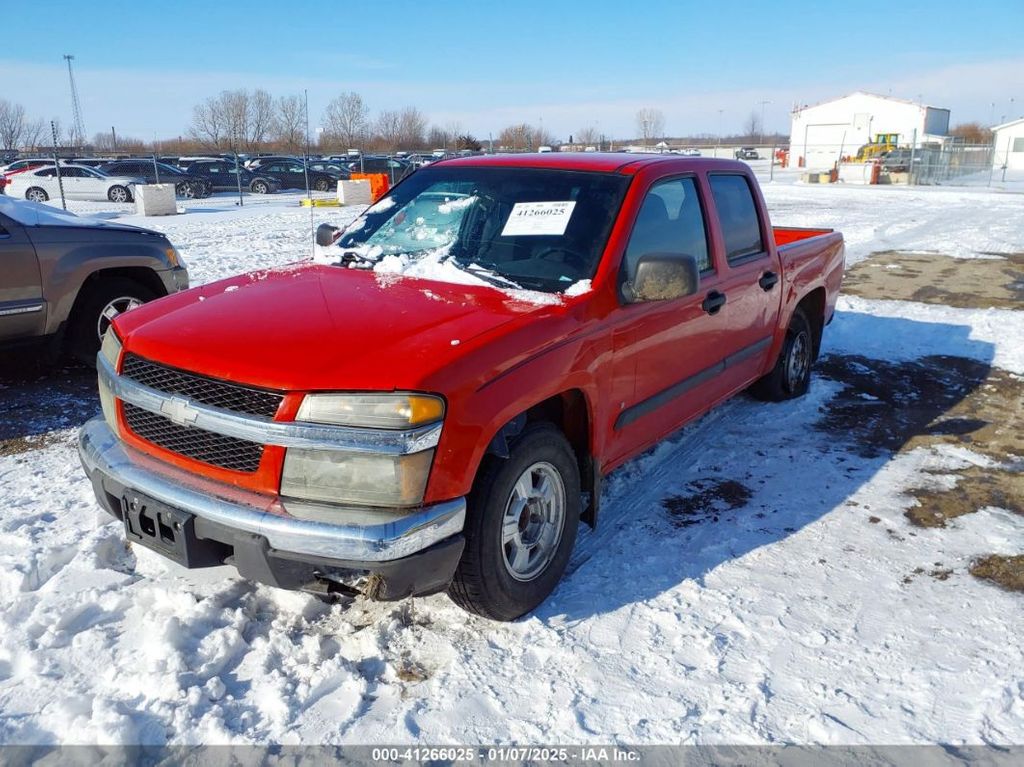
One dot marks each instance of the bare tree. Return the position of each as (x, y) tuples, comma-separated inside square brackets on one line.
[(346, 119), (387, 130), (35, 132), (13, 125), (237, 119), (289, 128), (588, 136), (209, 124), (752, 127), (259, 117), (412, 124), (650, 123), (524, 136)]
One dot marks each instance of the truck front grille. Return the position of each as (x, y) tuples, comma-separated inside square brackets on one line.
[(197, 444), (209, 391)]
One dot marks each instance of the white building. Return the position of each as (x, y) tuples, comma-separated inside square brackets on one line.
[(823, 133), (1008, 141)]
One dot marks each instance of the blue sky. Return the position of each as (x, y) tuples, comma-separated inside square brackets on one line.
[(141, 66)]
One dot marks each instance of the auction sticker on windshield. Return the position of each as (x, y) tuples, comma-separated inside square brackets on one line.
[(538, 218)]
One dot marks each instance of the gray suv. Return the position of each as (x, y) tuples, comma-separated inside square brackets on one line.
[(64, 278)]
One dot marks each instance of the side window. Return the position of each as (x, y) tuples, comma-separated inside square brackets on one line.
[(670, 221), (46, 172), (737, 214)]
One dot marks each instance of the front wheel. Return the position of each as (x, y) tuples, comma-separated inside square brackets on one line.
[(35, 194), (97, 307), (186, 191), (260, 187), (521, 524), (322, 185), (791, 376)]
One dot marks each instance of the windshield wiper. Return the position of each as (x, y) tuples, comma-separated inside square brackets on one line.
[(488, 276)]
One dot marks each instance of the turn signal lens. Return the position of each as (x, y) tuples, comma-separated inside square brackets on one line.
[(375, 411)]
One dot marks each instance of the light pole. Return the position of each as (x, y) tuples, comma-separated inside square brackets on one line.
[(763, 103)]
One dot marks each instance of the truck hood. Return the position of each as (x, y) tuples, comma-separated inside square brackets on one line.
[(316, 327)]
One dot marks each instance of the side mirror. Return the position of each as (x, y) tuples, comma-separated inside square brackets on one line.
[(663, 276), (327, 235)]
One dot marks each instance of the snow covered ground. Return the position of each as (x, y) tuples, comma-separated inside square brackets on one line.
[(753, 580)]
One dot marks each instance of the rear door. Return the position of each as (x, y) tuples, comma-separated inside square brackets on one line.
[(751, 278), (22, 309)]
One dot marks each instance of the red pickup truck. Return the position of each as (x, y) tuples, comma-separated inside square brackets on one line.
[(436, 409)]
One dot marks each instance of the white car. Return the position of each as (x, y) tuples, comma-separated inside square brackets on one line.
[(690, 152), (80, 183)]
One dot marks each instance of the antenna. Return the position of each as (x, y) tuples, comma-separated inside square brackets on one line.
[(78, 126)]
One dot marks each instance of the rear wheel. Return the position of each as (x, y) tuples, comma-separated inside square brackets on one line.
[(521, 526), (186, 190), (102, 302), (260, 187), (791, 375), (322, 185), (35, 194), (119, 194)]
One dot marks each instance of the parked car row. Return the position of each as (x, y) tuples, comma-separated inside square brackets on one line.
[(196, 176)]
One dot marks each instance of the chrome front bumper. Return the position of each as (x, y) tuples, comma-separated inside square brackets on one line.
[(359, 535)]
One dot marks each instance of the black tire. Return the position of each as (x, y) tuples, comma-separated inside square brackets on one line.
[(483, 583), (186, 190), (85, 323), (260, 187), (791, 376), (322, 185), (118, 191), (36, 194)]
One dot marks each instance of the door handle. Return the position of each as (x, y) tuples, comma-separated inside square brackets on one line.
[(768, 280), (713, 302)]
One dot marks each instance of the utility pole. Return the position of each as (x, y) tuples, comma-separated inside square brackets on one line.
[(76, 108)]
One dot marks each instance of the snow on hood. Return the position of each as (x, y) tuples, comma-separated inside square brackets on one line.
[(29, 213)]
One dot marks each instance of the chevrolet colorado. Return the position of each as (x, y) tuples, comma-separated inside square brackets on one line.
[(436, 409)]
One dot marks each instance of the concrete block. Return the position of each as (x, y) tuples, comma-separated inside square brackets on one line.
[(155, 200), (354, 192)]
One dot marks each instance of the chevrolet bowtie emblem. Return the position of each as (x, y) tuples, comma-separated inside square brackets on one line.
[(179, 411)]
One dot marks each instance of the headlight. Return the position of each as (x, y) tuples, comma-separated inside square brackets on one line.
[(111, 352), (111, 348), (369, 479), (378, 411)]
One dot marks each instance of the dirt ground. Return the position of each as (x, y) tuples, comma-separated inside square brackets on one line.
[(941, 399), (996, 281)]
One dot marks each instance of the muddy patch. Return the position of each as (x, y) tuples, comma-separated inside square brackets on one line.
[(40, 398), (996, 281), (888, 407), (884, 405), (705, 500), (1007, 572)]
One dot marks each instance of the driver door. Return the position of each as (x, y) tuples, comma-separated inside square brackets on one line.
[(666, 361), (22, 309)]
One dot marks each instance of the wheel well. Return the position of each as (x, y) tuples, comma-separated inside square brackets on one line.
[(570, 413), (813, 305), (140, 274)]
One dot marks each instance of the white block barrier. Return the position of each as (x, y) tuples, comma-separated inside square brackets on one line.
[(856, 172), (155, 200), (354, 192)]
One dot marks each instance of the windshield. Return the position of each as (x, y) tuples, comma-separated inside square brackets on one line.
[(540, 229)]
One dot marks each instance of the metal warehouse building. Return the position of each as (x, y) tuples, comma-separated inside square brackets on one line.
[(1009, 145), (823, 133)]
